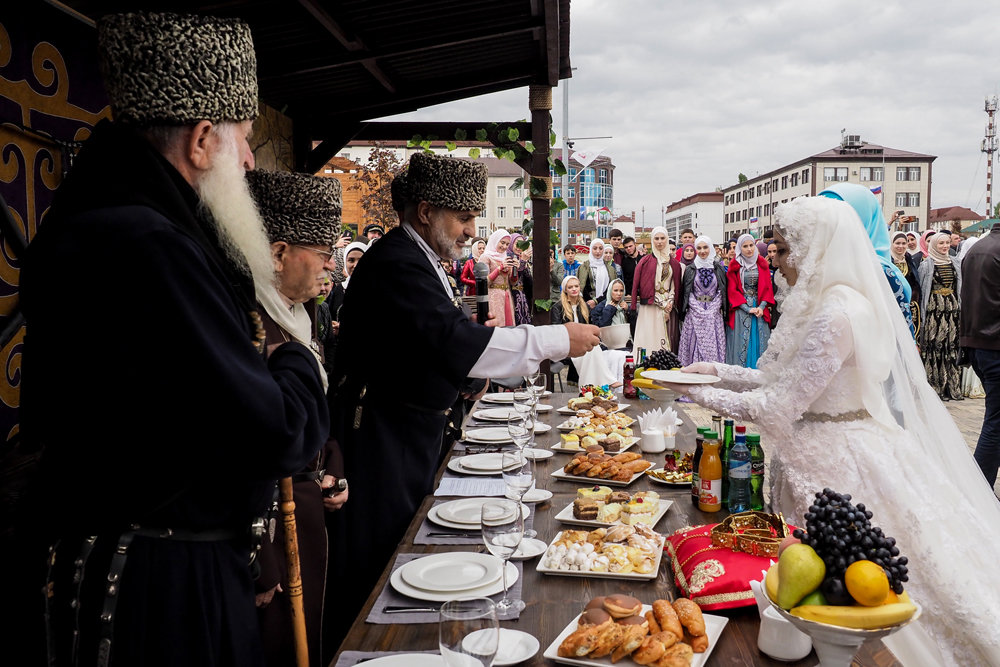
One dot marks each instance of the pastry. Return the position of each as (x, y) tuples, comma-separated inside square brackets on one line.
[(580, 642), (595, 603), (619, 497), (619, 533), (593, 616), (654, 627), (570, 441), (632, 637), (622, 606), (607, 640), (637, 511), (588, 441), (610, 444), (667, 619), (609, 513), (698, 644), (690, 616), (626, 457), (585, 509), (678, 655), (599, 493), (653, 647)]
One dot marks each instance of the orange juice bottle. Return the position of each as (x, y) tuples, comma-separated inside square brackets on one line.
[(710, 475)]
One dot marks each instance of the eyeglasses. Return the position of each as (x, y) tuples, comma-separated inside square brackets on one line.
[(327, 254)]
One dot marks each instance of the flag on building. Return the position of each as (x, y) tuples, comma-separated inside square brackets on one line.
[(877, 190), (753, 220)]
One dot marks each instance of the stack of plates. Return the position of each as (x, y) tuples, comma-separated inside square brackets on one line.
[(504, 414), (477, 464), (507, 397), (465, 514), (446, 576)]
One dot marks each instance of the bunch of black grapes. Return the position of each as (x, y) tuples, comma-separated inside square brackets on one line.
[(663, 360), (842, 533)]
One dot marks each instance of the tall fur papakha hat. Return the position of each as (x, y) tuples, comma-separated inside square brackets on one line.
[(172, 69), (297, 208), (397, 189), (447, 182)]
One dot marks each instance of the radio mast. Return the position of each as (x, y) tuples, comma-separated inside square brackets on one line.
[(989, 146)]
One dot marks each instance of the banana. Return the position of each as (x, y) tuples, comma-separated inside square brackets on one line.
[(856, 616), (643, 383)]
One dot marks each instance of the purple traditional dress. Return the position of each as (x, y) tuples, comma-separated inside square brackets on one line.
[(703, 335)]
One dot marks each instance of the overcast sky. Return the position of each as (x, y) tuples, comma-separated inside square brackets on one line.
[(694, 94)]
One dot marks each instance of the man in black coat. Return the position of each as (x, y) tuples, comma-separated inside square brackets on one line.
[(163, 435), (391, 406)]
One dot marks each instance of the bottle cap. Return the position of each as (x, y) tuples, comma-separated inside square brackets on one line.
[(702, 430), (741, 429), (711, 435), (728, 422), (753, 437)]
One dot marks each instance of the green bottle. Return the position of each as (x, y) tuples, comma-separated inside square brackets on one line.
[(728, 436), (756, 472)]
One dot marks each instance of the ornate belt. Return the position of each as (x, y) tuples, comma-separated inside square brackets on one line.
[(492, 286), (706, 299), (856, 415), (943, 291)]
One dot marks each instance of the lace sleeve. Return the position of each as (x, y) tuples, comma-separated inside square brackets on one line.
[(780, 403), (738, 378)]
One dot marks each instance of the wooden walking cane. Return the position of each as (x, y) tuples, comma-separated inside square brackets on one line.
[(294, 573)]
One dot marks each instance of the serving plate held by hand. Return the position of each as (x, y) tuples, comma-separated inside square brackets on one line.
[(680, 377)]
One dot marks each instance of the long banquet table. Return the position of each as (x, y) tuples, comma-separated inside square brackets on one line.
[(553, 601)]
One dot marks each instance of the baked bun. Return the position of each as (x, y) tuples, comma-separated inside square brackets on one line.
[(595, 616), (622, 606), (633, 620), (596, 603)]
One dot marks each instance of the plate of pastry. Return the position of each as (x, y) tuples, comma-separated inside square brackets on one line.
[(616, 552), (599, 505)]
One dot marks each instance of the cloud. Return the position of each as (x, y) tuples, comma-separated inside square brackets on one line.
[(695, 93)]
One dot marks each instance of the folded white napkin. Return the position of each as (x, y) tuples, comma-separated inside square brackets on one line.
[(660, 419)]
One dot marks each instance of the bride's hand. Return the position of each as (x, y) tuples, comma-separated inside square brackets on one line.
[(701, 368)]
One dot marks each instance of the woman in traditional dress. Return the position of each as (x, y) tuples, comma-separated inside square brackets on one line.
[(469, 270), (908, 269), (595, 274), (520, 281), (842, 399), (570, 308), (866, 205), (501, 267), (655, 288), (940, 287), (703, 308), (749, 290)]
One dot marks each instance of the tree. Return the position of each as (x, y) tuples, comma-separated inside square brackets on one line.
[(742, 177), (373, 181), (996, 211)]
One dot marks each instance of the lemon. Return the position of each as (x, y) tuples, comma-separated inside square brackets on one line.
[(867, 583)]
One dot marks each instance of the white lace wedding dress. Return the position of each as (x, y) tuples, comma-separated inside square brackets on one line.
[(831, 400)]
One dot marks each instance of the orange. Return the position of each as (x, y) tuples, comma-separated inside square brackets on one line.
[(867, 583)]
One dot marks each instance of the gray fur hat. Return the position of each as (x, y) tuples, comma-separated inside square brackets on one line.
[(173, 69), (398, 191), (297, 208), (447, 182)]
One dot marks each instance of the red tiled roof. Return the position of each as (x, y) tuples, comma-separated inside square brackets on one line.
[(953, 213)]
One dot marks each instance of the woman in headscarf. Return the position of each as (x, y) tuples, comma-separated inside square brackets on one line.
[(866, 205), (520, 281), (655, 288), (685, 255), (613, 309), (922, 255), (940, 287), (469, 270), (570, 308), (912, 243), (501, 267), (595, 274), (352, 255), (750, 290), (704, 307), (842, 398), (908, 268)]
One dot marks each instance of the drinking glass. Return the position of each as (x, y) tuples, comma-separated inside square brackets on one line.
[(468, 632), (522, 403), (503, 528), (521, 429), (519, 478)]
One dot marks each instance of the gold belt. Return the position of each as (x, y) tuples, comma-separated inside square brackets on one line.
[(857, 415), (499, 286), (943, 291)]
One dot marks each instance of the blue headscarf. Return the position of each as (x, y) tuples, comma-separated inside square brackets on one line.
[(866, 205)]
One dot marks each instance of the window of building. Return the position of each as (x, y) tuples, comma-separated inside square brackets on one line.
[(872, 174), (794, 179), (328, 171), (900, 199), (767, 209), (604, 175), (739, 196), (758, 211), (774, 185), (902, 174), (557, 192), (501, 192), (571, 212), (481, 231), (346, 155), (501, 211), (572, 173), (913, 199), (572, 193), (784, 182), (767, 187), (805, 176), (834, 173), (914, 173), (759, 190)]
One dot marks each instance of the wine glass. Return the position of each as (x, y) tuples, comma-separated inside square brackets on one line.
[(503, 528), (468, 632), (519, 477), (520, 429)]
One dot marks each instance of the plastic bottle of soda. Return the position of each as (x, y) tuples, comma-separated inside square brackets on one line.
[(627, 376), (756, 471), (738, 499), (710, 475), (727, 444)]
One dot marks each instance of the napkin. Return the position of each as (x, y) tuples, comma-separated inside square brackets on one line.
[(660, 419)]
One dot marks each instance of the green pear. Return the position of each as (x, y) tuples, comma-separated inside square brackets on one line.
[(802, 571)]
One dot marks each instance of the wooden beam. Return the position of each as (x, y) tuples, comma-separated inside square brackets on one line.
[(313, 159), (332, 26), (552, 51)]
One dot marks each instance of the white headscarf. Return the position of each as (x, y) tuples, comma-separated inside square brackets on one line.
[(708, 262), (966, 247), (932, 250), (661, 257), (598, 269), (744, 261), (348, 249), (491, 251)]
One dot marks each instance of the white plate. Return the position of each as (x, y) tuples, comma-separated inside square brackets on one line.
[(464, 510), (515, 647), (507, 397), (566, 427), (542, 428), (713, 628), (566, 516), (537, 454), (657, 480), (455, 465), (536, 496), (450, 572), (396, 581), (434, 517), (503, 414), (606, 575), (407, 660), (560, 475), (678, 377), (490, 434), (492, 461), (529, 548), (629, 442), (566, 410)]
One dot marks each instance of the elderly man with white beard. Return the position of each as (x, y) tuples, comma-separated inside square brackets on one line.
[(162, 434)]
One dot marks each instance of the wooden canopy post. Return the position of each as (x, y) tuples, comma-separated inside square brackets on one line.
[(540, 105)]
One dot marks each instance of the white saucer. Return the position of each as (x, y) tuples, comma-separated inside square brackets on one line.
[(536, 496), (529, 548), (515, 647), (538, 454), (408, 660)]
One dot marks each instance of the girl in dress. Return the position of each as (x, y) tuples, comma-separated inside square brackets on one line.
[(703, 308), (940, 287), (908, 269), (519, 282), (469, 270), (655, 288), (750, 290), (842, 398), (570, 308), (501, 267)]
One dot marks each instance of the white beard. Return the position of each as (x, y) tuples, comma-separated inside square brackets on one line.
[(224, 192)]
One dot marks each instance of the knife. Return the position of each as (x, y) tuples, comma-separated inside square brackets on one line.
[(467, 534), (403, 610)]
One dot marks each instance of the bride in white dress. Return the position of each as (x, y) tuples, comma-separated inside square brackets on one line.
[(842, 401)]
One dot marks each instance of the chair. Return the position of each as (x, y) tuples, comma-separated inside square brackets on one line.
[(556, 368), (511, 384)]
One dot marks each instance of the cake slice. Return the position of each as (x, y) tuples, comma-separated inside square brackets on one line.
[(585, 509)]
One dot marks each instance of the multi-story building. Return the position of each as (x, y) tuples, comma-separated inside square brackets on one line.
[(701, 212), (901, 180)]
